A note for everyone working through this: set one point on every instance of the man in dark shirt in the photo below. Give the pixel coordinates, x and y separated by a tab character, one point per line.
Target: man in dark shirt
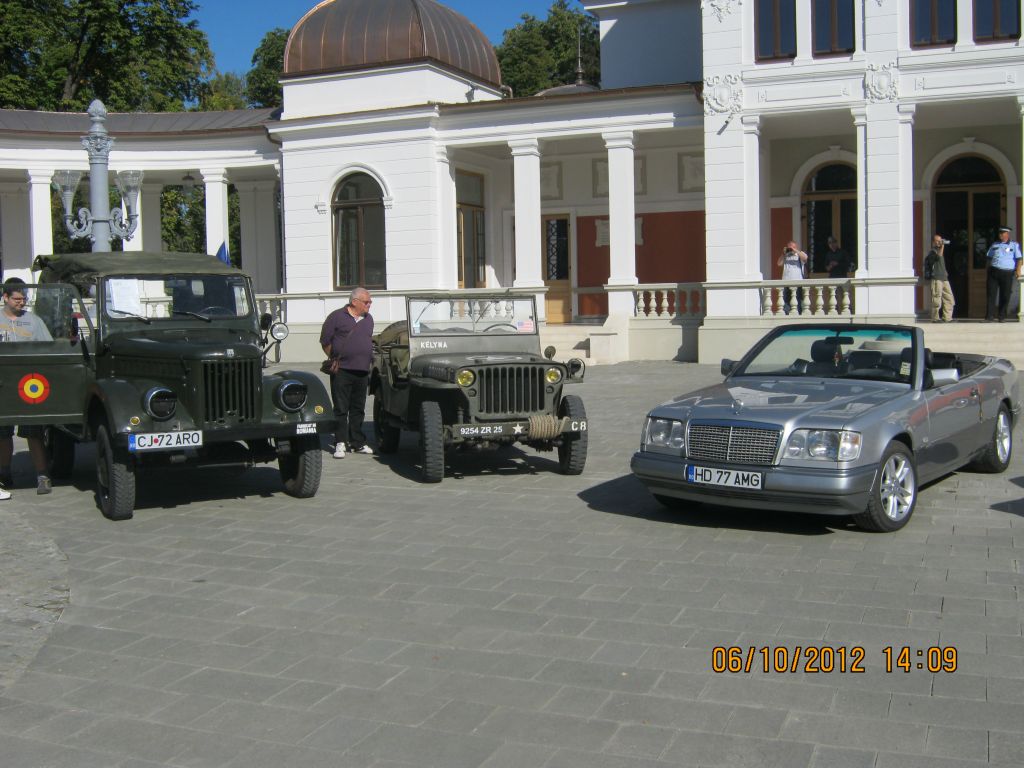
838	262
346	338
938	281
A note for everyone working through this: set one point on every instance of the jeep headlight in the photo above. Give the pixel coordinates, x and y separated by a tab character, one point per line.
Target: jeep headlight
665	433
279	331
465	378
824	444
553	375
290	395
160	403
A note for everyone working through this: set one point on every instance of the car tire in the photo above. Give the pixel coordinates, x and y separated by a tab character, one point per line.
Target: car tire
388	435
997	454
301	467
893	494
572	453
431	443
115	478
60	453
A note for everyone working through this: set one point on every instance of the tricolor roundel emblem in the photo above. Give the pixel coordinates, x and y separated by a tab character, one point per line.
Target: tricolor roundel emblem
33	388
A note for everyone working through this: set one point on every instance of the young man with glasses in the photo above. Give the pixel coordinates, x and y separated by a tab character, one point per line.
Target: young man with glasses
346	338
17	324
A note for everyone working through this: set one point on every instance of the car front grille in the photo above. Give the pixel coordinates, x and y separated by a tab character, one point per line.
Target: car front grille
231	391
512	390
737	445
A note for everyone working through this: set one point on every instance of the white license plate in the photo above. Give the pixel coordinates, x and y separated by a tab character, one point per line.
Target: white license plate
481	430
728	477
165	441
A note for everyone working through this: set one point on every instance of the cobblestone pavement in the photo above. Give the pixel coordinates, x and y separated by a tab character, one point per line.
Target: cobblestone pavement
508	618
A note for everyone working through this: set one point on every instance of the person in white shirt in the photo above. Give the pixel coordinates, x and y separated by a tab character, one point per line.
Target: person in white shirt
793	262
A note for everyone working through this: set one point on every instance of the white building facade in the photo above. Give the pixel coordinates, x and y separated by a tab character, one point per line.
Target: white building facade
647	216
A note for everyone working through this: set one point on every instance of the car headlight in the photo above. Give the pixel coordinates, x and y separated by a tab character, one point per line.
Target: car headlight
553	375
665	433
824	444
279	331
160	403
465	378
290	395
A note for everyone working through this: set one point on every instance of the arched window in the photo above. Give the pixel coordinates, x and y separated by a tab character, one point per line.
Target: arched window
829	205
359	250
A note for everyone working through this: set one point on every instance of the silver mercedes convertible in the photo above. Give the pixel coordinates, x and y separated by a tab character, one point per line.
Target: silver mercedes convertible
832	419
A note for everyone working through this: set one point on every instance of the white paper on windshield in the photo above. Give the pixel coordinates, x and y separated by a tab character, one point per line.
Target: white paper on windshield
124	295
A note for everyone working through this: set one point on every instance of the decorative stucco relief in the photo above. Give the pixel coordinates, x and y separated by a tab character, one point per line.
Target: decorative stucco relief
882	82
721	8
722	94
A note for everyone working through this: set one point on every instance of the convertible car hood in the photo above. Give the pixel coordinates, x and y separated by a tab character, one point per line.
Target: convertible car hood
830	403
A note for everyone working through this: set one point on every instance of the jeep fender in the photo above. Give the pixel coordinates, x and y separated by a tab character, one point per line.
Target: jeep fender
317	394
114	401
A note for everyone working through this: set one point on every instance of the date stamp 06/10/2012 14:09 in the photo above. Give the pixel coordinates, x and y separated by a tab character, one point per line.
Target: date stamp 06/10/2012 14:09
824	659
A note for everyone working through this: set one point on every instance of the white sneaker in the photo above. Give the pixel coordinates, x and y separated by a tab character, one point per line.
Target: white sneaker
4	495
365	449
339	451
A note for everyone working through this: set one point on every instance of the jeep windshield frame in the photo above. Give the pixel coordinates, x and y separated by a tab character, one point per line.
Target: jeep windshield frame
159	299
487	316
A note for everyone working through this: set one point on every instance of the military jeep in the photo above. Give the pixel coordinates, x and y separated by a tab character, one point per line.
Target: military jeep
158	358
464	370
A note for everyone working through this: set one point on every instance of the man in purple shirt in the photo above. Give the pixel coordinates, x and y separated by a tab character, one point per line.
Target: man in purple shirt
346	338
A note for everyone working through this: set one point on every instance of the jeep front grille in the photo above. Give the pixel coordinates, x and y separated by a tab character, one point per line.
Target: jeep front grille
511	390
232	390
738	445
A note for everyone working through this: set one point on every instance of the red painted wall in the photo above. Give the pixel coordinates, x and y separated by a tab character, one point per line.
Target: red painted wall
781	233
672	252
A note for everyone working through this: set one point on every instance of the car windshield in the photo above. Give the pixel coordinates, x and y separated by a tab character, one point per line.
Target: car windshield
454	316
206	297
841	352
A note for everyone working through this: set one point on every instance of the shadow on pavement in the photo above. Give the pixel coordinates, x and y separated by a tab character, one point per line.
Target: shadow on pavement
1013	506
627	496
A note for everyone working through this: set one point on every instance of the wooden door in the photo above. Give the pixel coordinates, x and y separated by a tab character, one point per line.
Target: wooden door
557	268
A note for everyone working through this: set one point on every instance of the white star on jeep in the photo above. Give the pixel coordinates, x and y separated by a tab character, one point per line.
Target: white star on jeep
517	429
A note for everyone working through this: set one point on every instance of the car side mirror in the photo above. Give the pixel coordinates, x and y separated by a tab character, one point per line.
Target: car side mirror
549	352
266	320
940	377
728	366
576	366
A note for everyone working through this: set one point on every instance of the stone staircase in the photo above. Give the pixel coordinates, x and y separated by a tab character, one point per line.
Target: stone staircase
569	340
977	337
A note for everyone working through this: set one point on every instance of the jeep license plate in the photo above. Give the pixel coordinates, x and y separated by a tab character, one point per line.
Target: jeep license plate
165	441
481	430
727	477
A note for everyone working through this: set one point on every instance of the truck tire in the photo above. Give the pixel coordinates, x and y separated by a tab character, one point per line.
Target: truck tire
431	443
572	453
388	435
301	467
60	453
115	478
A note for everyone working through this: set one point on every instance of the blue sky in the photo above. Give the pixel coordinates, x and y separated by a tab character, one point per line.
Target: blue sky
235	29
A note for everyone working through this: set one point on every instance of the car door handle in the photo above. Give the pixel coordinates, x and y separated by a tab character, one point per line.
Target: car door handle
975	393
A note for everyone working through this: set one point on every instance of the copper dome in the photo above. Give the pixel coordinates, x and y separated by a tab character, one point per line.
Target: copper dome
340	35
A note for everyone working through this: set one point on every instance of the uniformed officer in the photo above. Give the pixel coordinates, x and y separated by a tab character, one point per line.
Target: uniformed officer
1004	265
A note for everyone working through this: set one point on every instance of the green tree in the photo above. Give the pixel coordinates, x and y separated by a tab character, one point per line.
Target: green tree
223	91
535	55
135	55
261	82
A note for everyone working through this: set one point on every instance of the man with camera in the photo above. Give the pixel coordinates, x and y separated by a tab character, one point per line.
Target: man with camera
938	281
792	261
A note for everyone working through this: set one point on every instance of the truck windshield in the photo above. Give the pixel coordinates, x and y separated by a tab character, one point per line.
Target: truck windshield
206	297
453	316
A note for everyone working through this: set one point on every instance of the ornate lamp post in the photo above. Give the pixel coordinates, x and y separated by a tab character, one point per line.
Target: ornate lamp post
98	222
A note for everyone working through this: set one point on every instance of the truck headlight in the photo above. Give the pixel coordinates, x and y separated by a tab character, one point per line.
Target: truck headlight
290	395
160	403
279	331
553	375
665	433
824	444
465	378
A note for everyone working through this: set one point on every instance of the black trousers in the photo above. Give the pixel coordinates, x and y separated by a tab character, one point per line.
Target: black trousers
787	300
348	390
1000	288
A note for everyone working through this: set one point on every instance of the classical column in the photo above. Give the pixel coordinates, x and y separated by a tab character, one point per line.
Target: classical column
964	26
804	33
149	236
752	196
621	221
258	224
216	182
526	172
860	123
905	191
447	252
40	213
